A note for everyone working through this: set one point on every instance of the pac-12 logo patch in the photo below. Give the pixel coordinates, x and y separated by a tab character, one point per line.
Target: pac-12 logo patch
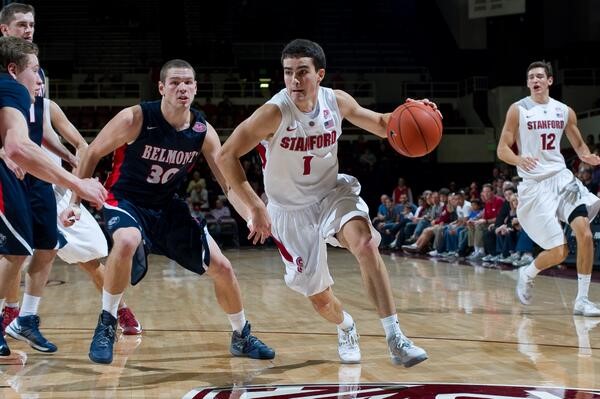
199	127
389	391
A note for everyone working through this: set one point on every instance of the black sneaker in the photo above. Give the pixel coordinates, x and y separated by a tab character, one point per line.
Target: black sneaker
246	344
101	349
27	328
4	350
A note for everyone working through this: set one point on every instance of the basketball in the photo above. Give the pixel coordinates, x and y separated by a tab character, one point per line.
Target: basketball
414	129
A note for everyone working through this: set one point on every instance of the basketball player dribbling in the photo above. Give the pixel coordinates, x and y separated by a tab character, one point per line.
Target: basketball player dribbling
156	143
309	203
549	193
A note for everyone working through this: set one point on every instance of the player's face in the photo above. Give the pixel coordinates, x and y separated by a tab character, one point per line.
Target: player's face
538	82
179	87
28	76
302	81
23	26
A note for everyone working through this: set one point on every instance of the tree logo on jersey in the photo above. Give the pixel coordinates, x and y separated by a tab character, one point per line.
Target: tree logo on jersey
389	391
325	113
299	264
199	127
112	221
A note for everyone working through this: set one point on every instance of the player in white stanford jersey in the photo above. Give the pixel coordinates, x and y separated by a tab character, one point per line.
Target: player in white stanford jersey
549	193
309	203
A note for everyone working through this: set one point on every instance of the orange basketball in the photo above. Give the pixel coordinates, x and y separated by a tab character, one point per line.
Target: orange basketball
414	129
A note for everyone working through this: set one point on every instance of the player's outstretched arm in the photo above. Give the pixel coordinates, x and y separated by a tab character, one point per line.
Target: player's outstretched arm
32	158
51	140
65	128
261	125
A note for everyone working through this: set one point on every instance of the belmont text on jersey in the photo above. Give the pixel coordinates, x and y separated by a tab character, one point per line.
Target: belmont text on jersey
166	155
309	143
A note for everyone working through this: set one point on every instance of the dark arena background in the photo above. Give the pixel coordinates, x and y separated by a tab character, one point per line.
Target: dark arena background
470	57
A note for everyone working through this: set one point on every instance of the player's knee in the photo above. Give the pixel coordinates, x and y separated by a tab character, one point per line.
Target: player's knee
364	246
221	268
560	253
126	242
322	302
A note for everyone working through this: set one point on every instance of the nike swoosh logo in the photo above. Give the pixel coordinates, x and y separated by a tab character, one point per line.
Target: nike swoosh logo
290	129
151	127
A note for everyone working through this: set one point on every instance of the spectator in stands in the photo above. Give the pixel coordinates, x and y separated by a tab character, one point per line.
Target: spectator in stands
586	178
489	237
199	195
410	218
387	222
492	205
463	233
225	224
474	191
195	182
402	188
381	210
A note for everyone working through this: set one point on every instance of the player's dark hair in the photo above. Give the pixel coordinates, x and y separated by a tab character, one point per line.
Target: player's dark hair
305	48
176	63
8	12
15	50
541	64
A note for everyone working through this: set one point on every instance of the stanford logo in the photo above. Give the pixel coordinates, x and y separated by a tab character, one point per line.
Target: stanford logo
385	391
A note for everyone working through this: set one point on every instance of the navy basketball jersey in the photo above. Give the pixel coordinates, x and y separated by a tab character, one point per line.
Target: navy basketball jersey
36	121
14	95
148	171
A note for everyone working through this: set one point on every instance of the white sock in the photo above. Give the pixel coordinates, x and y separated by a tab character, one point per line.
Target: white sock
391	326
237	320
110	302
531	271
30	305
583	285
12	304
347	323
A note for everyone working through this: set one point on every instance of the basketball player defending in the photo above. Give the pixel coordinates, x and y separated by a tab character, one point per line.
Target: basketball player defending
310	204
156	144
549	193
85	242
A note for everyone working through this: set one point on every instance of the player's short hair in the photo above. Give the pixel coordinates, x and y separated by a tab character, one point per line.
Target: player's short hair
305	48
7	14
541	64
176	63
15	50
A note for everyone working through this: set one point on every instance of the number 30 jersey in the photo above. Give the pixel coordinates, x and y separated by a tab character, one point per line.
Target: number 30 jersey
300	163
149	170
541	127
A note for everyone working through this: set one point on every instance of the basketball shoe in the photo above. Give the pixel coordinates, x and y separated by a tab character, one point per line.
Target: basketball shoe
524	287
585	307
246	344
4	350
8	315
404	352
128	323
101	349
348	348
27	328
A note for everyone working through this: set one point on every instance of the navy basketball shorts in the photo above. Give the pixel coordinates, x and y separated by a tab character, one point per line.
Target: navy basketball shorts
43	209
16	230
170	231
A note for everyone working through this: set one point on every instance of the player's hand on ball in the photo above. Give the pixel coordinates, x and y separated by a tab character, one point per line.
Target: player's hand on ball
427	102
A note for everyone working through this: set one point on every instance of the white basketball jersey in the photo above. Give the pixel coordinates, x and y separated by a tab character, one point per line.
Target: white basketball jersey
300	163
540	130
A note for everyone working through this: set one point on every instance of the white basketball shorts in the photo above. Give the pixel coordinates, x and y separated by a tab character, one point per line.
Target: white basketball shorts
542	207
85	240
302	234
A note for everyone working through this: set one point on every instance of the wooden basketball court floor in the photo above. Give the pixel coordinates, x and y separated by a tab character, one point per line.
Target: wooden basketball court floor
466	317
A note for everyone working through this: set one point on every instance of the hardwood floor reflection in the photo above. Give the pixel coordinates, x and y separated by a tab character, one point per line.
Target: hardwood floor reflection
466	317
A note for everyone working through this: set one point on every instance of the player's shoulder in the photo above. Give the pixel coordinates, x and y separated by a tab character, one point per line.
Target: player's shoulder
13	94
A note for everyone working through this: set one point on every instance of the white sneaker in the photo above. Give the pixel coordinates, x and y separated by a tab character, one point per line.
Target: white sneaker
524	287
433	253
404	352
348	348
585	307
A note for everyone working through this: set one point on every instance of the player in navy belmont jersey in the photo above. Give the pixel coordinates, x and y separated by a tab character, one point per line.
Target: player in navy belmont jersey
18	60
155	145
